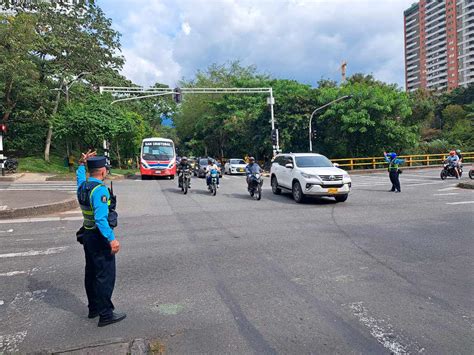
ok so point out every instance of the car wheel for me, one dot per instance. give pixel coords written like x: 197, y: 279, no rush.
x: 275, y: 189
x: 298, y: 194
x: 341, y: 198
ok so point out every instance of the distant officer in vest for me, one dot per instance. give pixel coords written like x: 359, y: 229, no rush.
x: 394, y: 170
x: 97, y: 203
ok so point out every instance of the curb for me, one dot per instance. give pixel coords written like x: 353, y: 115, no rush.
x: 466, y: 185
x: 12, y: 177
x: 61, y: 206
x: 115, y: 346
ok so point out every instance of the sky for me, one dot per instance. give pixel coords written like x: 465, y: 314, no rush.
x: 306, y: 40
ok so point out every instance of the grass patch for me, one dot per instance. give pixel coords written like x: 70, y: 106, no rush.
x: 39, y: 165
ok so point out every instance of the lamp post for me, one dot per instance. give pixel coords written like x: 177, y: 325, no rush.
x: 318, y: 109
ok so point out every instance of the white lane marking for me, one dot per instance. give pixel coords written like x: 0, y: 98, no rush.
x: 3, y: 208
x: 425, y: 183
x: 447, y: 194
x: 460, y: 203
x: 9, y: 342
x: 43, y: 189
x: 381, y: 330
x: 34, y: 252
x: 7, y: 231
x: 449, y: 188
x: 13, y: 273
x: 2, y: 302
x: 44, y: 219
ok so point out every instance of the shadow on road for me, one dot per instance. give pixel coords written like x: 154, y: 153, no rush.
x: 58, y: 297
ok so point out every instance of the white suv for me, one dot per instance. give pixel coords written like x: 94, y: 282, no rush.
x: 309, y: 174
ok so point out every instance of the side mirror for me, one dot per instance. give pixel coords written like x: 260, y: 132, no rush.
x: 336, y: 165
x: 289, y: 166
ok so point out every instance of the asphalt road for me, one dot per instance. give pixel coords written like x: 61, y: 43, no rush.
x: 380, y: 273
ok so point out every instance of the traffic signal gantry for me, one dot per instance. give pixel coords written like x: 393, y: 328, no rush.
x: 138, y: 93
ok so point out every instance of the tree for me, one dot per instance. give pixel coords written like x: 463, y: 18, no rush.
x: 75, y: 40
x: 17, y: 66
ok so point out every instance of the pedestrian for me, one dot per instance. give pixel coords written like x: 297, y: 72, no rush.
x: 97, y: 203
x: 70, y: 161
x: 394, y: 170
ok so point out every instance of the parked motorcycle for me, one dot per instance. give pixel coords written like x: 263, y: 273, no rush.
x: 449, y: 171
x: 213, y: 185
x: 11, y: 165
x: 255, y: 186
x: 185, y: 177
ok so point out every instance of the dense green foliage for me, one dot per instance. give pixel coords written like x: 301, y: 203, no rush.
x: 52, y: 63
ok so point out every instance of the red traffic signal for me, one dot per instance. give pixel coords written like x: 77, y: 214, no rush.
x: 3, y: 128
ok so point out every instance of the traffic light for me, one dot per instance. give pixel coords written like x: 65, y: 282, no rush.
x: 274, y: 136
x: 177, y: 96
x: 3, y: 128
x: 313, y: 134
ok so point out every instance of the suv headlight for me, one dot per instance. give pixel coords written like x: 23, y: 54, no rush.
x: 310, y: 176
x: 346, y: 177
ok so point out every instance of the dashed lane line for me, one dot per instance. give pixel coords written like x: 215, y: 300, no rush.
x: 34, y: 252
x: 460, y: 203
x: 447, y: 194
x: 40, y: 219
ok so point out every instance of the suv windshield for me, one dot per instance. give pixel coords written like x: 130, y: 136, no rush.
x: 313, y: 161
x: 203, y: 162
x: 237, y: 161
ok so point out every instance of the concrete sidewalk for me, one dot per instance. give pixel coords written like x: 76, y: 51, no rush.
x: 17, y: 204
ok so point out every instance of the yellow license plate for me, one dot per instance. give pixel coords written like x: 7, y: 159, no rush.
x: 332, y: 191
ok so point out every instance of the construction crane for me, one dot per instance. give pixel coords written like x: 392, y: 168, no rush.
x: 343, y: 71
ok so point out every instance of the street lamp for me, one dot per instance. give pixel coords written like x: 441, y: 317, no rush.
x: 318, y: 109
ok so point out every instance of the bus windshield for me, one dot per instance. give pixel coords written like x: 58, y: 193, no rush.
x: 158, y: 150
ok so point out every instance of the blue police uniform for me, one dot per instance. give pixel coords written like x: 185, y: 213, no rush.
x: 96, y: 234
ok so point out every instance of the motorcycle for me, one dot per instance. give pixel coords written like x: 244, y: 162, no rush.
x: 471, y: 174
x: 11, y: 165
x: 185, y: 177
x: 255, y: 183
x: 449, y: 171
x: 213, y: 185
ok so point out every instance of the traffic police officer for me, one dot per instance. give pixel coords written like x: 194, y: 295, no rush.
x: 394, y: 170
x: 97, y: 236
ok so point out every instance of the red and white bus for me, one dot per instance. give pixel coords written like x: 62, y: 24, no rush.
x: 157, y: 158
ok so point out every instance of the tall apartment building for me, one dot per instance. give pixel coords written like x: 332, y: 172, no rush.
x: 439, y: 44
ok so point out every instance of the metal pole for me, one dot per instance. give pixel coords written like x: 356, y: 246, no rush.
x: 320, y: 108
x: 106, y: 151
x: 276, y: 148
x: 2, y: 158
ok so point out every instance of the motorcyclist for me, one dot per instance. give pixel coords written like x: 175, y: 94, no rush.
x: 250, y: 169
x: 458, y: 153
x: 453, y: 161
x: 182, y: 166
x: 211, y: 165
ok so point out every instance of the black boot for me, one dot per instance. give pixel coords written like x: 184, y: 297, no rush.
x: 116, y: 317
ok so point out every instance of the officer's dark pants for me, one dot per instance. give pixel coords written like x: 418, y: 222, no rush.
x: 100, y: 274
x: 395, y: 179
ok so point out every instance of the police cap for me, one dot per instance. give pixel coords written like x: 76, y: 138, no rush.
x: 96, y: 163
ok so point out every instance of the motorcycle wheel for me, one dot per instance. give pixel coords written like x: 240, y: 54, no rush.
x: 471, y: 174
x: 258, y: 195
x: 185, y: 188
x: 214, y: 190
x: 443, y: 175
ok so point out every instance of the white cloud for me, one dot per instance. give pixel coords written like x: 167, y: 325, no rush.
x: 300, y: 39
x: 186, y: 28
